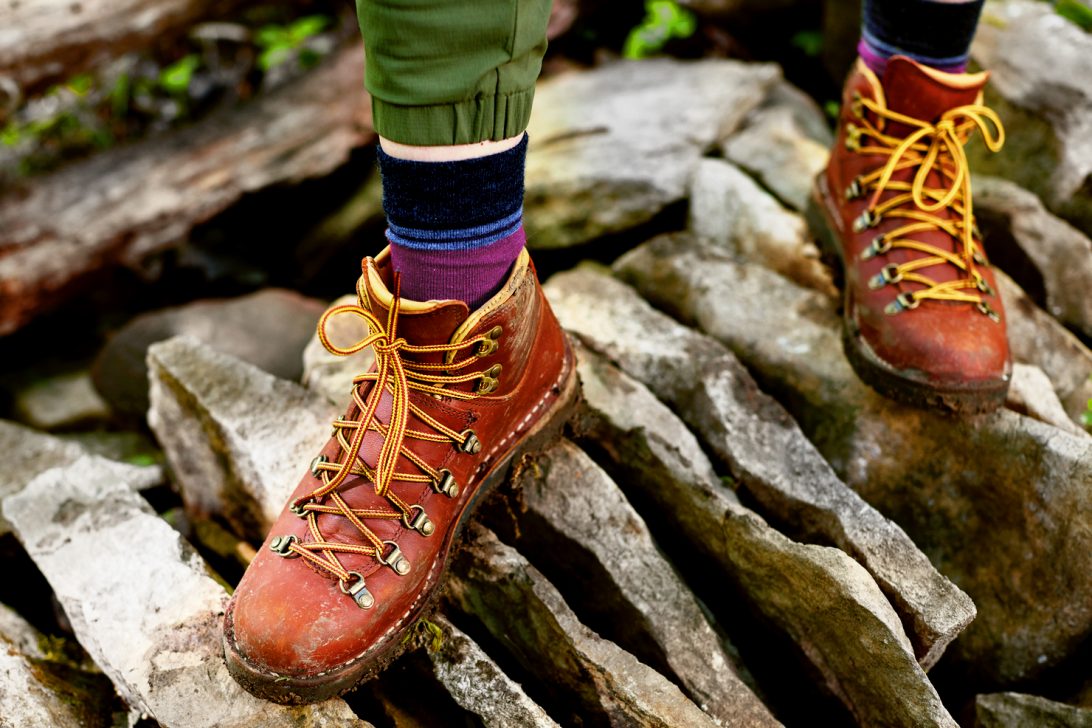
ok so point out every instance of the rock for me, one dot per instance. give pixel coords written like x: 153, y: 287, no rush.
x: 329, y: 374
x: 730, y: 211
x: 806, y: 114
x: 58, y: 402
x: 1035, y: 337
x: 526, y: 613
x: 33, y: 691
x: 1040, y: 63
x: 838, y: 616
x: 579, y: 526
x: 1015, y: 710
x: 479, y: 686
x: 662, y: 460
x: 998, y: 501
x: 775, y: 149
x: 1060, y: 254
x: 237, y: 439
x: 30, y: 453
x: 118, y: 569
x: 762, y: 447
x: 269, y: 329
x: 122, y: 205
x: 1031, y: 394
x: 592, y: 171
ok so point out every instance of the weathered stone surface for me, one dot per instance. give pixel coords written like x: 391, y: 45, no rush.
x: 1060, y: 253
x: 1015, y: 710
x: 30, y: 693
x: 124, y: 204
x: 525, y: 612
x: 779, y: 152
x: 1035, y: 337
x: 728, y: 209
x: 329, y: 374
x: 269, y: 329
x: 1040, y: 63
x: 478, y: 685
x: 806, y: 114
x: 29, y: 453
x: 62, y: 401
x: 1031, y: 393
x: 592, y: 171
x: 836, y: 613
x: 237, y: 439
x: 761, y: 445
x: 576, y: 520
x: 119, y: 571
x: 1000, y: 502
x: 661, y: 459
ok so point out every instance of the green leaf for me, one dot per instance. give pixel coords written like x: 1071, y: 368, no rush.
x: 119, y: 96
x: 1076, y: 12
x: 664, y: 20
x: 304, y: 28
x: 175, y: 78
x: 809, y: 41
x: 272, y: 57
x: 11, y: 135
x: 269, y: 36
x: 80, y: 84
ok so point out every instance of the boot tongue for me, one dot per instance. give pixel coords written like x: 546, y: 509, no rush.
x: 419, y: 323
x: 924, y: 93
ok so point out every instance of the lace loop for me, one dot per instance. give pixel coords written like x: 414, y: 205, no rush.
x: 932, y: 151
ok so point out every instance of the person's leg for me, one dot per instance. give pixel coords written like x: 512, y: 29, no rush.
x: 471, y: 366
x: 935, y: 33
x: 452, y: 87
x: 923, y: 321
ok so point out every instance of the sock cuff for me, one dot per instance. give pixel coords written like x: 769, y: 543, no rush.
x: 938, y: 34
x: 422, y: 196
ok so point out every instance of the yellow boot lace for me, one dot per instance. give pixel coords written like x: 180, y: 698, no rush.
x: 928, y: 148
x: 396, y: 376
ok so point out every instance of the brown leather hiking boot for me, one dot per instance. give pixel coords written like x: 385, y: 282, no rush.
x: 359, y: 551
x: 923, y: 321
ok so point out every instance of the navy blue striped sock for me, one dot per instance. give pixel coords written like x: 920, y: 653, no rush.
x: 936, y: 34
x: 455, y: 228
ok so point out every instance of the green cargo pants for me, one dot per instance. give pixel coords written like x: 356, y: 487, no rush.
x: 450, y: 71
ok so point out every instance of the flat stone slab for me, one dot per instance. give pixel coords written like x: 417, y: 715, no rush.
x: 525, y: 612
x: 651, y: 448
x: 576, y: 519
x: 478, y: 685
x: 761, y: 445
x: 592, y: 171
x: 238, y: 439
x: 30, y: 453
x: 142, y: 602
x: 1000, y: 502
x: 1016, y: 710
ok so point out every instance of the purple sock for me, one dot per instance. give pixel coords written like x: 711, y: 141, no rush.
x: 455, y: 228
x: 933, y: 33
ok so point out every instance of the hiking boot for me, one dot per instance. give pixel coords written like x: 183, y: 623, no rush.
x: 924, y: 323
x: 359, y: 552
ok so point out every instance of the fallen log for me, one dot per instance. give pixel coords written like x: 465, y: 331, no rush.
x: 120, y: 206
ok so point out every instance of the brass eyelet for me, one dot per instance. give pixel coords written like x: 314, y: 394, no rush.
x: 298, y: 508
x: 315, y: 470
x: 903, y: 302
x: 856, y: 106
x: 358, y: 591
x: 988, y: 310
x: 398, y: 563
x: 853, y: 137
x: 282, y: 546
x: 888, y: 274
x: 866, y: 220
x: 446, y: 484
x: 421, y: 522
x: 854, y: 190
x: 490, y: 344
x: 471, y: 444
x: 490, y: 379
x: 879, y: 245
x: 340, y: 418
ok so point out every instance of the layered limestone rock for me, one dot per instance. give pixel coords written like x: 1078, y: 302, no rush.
x: 142, y: 602
x: 592, y: 171
x: 579, y: 527
x: 997, y: 501
x: 761, y: 445
x: 238, y: 439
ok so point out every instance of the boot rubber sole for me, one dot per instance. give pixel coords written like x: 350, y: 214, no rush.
x: 562, y: 399
x: 872, y: 370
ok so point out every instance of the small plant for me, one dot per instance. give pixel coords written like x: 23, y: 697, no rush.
x: 664, y: 20
x: 809, y: 41
x: 175, y: 78
x: 279, y: 43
